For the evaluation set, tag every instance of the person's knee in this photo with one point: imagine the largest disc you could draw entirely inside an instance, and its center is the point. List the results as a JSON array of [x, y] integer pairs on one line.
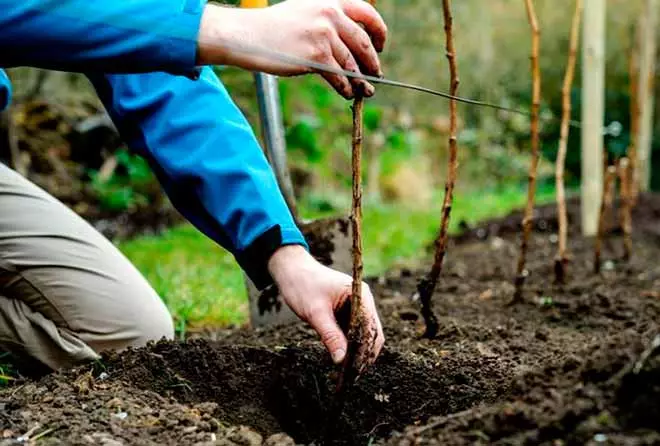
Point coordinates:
[[155, 326], [149, 322]]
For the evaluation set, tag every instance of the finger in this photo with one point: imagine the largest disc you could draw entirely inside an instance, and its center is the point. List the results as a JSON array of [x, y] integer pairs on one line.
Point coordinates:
[[362, 12], [340, 83], [346, 60], [323, 321], [358, 42]]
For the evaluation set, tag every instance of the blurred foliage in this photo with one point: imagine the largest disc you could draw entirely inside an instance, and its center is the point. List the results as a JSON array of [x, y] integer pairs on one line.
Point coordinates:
[[125, 188], [406, 131]]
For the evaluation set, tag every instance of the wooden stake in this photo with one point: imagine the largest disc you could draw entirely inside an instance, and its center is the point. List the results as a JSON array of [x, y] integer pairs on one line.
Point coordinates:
[[562, 259], [626, 206], [592, 114], [426, 286], [648, 56], [605, 205], [521, 273]]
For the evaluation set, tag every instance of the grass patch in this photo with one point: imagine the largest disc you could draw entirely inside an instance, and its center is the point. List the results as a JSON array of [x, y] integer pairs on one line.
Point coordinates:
[[202, 285], [199, 281]]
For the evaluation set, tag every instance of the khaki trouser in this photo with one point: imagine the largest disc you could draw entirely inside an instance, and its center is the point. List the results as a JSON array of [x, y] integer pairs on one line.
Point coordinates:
[[66, 293]]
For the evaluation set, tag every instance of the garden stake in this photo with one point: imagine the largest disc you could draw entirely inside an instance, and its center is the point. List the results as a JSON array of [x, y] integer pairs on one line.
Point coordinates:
[[605, 205], [561, 261], [427, 285], [521, 273], [626, 206]]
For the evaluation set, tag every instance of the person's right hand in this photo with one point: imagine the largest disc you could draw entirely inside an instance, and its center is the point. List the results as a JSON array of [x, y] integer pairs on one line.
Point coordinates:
[[344, 34]]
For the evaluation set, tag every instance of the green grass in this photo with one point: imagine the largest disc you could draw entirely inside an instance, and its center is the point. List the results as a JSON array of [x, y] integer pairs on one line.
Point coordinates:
[[202, 285]]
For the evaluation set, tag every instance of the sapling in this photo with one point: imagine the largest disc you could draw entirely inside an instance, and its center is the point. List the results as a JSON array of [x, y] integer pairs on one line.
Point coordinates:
[[634, 116], [562, 258], [626, 206], [357, 325], [605, 205], [521, 272], [426, 286]]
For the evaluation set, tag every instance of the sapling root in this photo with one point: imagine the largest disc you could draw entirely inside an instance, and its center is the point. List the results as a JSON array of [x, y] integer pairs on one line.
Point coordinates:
[[605, 206], [426, 286], [521, 272], [561, 261]]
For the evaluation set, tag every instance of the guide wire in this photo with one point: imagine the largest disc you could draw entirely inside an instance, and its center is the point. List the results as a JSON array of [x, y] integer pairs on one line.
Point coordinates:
[[614, 129]]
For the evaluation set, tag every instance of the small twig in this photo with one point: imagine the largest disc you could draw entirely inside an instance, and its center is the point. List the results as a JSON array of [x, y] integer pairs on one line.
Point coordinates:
[[26, 436], [562, 259], [426, 286], [626, 207], [43, 434], [521, 273], [605, 205], [440, 421]]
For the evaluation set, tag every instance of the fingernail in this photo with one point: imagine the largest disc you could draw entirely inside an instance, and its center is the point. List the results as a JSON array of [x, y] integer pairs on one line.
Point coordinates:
[[338, 355], [369, 90]]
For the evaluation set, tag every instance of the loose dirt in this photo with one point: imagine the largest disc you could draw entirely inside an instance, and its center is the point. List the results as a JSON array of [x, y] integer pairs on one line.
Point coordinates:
[[572, 364]]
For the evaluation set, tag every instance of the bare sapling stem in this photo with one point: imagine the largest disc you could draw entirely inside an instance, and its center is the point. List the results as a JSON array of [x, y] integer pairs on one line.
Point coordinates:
[[356, 328], [561, 261], [605, 206], [426, 287], [357, 325], [521, 272], [633, 67], [626, 206]]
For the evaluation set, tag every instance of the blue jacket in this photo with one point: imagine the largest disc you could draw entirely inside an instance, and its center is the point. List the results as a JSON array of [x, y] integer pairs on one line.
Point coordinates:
[[140, 55]]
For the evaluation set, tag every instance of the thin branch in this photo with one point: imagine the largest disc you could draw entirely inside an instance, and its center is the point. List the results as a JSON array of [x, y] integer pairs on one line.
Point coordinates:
[[521, 272], [626, 206], [634, 74], [605, 205], [562, 259], [426, 286]]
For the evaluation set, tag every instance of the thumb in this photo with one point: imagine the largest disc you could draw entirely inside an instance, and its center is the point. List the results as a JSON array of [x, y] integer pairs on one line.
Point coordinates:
[[332, 337]]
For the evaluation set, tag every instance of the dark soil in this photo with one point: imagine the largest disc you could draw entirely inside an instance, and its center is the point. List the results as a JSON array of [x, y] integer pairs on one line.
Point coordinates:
[[572, 364]]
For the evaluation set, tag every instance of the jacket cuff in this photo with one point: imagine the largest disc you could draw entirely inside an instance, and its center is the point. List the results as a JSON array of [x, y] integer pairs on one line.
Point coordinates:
[[184, 47], [5, 91], [254, 259]]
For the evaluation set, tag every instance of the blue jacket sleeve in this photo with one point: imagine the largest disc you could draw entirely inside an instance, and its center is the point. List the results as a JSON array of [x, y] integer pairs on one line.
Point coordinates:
[[122, 36], [208, 160], [5, 90]]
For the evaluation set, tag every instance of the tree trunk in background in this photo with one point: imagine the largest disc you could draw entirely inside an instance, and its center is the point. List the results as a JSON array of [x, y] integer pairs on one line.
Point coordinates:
[[593, 111], [648, 55]]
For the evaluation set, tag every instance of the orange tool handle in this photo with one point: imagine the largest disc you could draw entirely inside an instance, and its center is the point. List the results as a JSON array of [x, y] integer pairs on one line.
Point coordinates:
[[254, 3]]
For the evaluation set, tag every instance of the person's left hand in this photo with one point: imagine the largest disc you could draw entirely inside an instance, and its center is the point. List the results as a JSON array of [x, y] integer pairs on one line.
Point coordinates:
[[315, 293]]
